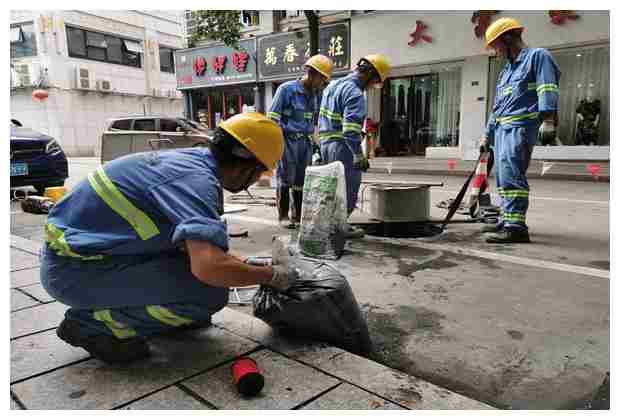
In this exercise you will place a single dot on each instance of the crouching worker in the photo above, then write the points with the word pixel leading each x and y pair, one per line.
pixel 139 249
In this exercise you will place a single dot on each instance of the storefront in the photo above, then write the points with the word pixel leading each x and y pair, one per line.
pixel 442 83
pixel 281 56
pixel 218 81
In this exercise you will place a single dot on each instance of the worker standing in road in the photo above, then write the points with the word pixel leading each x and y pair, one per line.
pixel 293 108
pixel 342 113
pixel 139 248
pixel 526 103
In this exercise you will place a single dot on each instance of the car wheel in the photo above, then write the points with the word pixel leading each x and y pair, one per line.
pixel 41 187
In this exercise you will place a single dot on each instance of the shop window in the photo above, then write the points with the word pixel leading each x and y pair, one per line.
pixel 584 94
pixel 23 40
pixel 100 47
pixel 422 111
pixel 166 59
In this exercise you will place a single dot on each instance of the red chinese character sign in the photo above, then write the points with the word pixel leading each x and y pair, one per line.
pixel 240 60
pixel 559 17
pixel 219 64
pixel 200 66
pixel 482 19
pixel 418 34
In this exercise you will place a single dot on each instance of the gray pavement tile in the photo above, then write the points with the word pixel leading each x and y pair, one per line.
pixel 405 389
pixel 25 277
pixel 93 384
pixel 39 318
pixel 21 260
pixel 20 300
pixel 38 292
pixel 349 397
pixel 25 244
pixel 40 353
pixel 287 384
pixel 172 398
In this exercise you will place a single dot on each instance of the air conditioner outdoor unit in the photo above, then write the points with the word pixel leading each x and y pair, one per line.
pixel 104 85
pixel 83 78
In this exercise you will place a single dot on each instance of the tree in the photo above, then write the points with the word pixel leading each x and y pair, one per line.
pixel 225 26
pixel 218 25
pixel 313 25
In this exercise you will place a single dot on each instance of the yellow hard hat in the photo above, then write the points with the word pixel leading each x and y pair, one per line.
pixel 380 63
pixel 500 26
pixel 322 64
pixel 258 134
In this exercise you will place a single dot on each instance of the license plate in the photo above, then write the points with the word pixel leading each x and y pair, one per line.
pixel 19 169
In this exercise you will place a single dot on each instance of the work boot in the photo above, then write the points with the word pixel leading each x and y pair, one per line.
pixel 101 346
pixel 354 232
pixel 506 236
pixel 297 200
pixel 492 228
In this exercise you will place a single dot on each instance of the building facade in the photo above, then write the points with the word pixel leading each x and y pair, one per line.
pixel 442 84
pixel 95 65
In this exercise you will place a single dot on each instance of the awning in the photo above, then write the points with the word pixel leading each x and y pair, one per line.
pixel 133 46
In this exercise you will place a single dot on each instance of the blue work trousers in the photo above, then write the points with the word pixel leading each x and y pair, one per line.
pixel 513 151
pixel 338 150
pixel 291 170
pixel 126 296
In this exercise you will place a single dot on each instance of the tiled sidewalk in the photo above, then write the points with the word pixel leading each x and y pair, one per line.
pixel 192 371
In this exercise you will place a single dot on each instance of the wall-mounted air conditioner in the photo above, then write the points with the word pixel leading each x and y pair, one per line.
pixel 104 85
pixel 84 78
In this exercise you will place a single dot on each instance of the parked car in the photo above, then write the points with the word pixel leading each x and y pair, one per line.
pixel 142 133
pixel 36 159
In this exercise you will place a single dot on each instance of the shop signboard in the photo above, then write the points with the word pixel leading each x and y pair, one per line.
pixel 216 65
pixel 282 56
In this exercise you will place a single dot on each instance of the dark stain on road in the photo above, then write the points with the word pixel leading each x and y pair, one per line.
pixel 604 265
pixel 516 335
pixel 390 331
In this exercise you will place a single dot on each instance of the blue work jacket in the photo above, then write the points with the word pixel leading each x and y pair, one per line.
pixel 293 108
pixel 343 110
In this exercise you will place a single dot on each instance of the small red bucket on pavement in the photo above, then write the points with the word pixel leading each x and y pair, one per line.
pixel 451 164
pixel 248 379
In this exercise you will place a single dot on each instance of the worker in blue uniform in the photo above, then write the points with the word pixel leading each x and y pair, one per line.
pixel 526 104
pixel 293 108
pixel 139 248
pixel 341 115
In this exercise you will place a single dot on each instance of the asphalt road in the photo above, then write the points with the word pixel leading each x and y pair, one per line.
pixel 517 326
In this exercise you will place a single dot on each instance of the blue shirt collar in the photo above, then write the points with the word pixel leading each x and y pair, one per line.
pixel 355 79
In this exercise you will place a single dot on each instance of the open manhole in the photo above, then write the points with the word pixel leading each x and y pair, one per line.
pixel 402 229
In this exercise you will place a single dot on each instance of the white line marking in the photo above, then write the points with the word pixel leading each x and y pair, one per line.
pixel 550 265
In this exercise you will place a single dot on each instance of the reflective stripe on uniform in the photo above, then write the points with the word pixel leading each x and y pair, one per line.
pixel 273 115
pixel 547 87
pixel 514 193
pixel 513 118
pixel 55 237
pixel 308 115
pixel 119 330
pixel 328 135
pixel 514 217
pixel 350 126
pixel 166 316
pixel 330 115
pixel 108 192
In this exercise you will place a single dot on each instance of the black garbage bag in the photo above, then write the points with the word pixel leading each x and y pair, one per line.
pixel 320 305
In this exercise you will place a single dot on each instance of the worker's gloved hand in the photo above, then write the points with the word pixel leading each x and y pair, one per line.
pixel 283 276
pixel 546 133
pixel 360 162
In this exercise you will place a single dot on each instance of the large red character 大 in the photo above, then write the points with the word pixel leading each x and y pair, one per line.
pixel 418 34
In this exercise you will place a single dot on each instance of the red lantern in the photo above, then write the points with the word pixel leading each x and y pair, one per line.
pixel 40 95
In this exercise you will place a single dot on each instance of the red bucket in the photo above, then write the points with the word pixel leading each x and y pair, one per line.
pixel 247 378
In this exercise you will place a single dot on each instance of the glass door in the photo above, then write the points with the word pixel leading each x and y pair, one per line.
pixel 422 123
pixel 396 135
